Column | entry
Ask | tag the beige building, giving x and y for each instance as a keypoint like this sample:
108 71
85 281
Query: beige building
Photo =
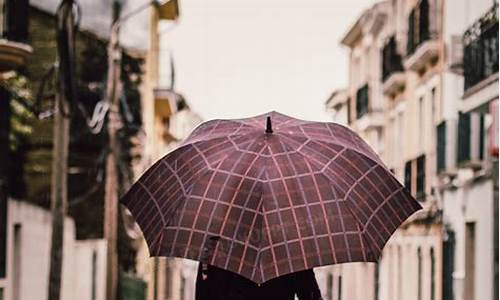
394 102
167 120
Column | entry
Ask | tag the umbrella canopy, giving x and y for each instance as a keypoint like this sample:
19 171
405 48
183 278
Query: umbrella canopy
269 195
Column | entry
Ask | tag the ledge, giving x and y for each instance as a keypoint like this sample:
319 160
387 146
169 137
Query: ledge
427 51
394 83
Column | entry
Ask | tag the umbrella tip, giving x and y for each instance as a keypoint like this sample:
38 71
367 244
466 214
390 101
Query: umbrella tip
269 127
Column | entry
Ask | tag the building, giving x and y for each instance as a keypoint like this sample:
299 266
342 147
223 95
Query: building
167 120
27 53
14 51
467 150
393 101
28 248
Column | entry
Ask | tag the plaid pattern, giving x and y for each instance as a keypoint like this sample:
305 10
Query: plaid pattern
264 205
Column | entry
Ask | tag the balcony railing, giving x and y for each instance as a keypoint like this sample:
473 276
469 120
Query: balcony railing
391 60
481 49
418 26
362 101
16 20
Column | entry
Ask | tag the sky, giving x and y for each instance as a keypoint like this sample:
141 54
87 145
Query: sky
240 58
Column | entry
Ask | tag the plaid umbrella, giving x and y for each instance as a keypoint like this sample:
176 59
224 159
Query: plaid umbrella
269 195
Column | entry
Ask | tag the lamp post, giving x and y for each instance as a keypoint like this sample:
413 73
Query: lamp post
113 93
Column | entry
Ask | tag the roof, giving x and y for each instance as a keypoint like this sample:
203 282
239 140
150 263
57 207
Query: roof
368 21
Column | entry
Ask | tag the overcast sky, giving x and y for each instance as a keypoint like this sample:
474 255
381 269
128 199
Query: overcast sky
239 58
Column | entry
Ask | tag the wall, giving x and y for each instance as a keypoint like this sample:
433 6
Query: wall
29 257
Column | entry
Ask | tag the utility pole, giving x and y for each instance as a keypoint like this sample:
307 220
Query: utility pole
113 91
65 94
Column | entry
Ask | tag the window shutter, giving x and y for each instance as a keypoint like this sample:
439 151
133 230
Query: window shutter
464 132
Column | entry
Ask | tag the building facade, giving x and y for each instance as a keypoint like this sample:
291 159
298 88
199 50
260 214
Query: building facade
467 153
167 120
423 91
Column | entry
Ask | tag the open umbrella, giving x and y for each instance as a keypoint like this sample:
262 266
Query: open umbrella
269 195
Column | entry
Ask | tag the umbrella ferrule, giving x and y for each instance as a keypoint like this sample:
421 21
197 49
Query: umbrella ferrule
269 126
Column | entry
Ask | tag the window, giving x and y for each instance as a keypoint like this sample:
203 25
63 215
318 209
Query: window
433 105
94 271
362 101
419 274
441 147
168 280
182 290
329 287
470 257
421 123
463 137
391 60
433 275
377 280
408 175
16 274
471 137
448 264
417 185
339 290
420 177
418 26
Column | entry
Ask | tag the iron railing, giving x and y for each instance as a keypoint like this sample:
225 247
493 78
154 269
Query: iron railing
362 101
418 26
391 60
480 40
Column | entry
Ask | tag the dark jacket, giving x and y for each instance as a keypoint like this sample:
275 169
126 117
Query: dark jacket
217 284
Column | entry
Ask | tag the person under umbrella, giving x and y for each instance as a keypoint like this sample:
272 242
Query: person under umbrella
215 283
280 195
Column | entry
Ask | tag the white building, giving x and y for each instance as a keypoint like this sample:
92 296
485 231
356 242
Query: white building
468 156
28 258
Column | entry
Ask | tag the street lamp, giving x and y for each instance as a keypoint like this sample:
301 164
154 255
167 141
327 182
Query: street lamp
167 10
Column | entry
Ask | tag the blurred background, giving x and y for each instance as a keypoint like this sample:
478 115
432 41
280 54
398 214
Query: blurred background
99 90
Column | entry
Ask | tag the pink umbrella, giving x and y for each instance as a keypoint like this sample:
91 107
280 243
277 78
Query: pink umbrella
269 195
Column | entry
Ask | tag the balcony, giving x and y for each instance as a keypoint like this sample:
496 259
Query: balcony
13 48
480 58
422 48
392 69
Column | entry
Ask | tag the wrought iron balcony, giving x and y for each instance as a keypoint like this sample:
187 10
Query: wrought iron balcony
418 26
481 49
391 60
362 101
392 68
421 46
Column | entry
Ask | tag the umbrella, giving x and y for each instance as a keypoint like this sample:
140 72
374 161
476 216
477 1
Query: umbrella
269 195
